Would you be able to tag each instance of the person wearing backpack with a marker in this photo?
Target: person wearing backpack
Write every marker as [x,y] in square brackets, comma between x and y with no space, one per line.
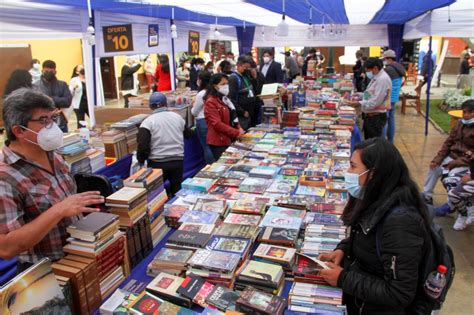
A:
[380,266]
[242,92]
[397,74]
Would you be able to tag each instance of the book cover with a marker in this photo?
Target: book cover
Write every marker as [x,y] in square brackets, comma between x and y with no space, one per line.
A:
[222,298]
[262,271]
[39,282]
[196,216]
[193,239]
[197,227]
[249,206]
[165,284]
[126,195]
[246,219]
[210,205]
[279,235]
[237,230]
[229,244]
[275,253]
[258,301]
[214,260]
[145,304]
[281,221]
[93,223]
[203,293]
[191,286]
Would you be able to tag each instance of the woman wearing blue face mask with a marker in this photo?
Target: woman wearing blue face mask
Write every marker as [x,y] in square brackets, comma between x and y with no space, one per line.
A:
[381,191]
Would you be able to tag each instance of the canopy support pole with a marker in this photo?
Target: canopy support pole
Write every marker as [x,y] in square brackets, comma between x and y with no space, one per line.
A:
[173,61]
[428,85]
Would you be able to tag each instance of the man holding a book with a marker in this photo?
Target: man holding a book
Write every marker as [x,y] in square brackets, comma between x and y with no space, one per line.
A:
[38,197]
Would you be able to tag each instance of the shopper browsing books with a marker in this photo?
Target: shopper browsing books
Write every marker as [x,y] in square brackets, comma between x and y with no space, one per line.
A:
[161,142]
[382,192]
[242,92]
[221,117]
[38,199]
[198,112]
[376,100]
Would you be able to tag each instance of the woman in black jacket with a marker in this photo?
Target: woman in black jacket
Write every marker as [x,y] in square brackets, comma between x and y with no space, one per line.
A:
[381,190]
[130,85]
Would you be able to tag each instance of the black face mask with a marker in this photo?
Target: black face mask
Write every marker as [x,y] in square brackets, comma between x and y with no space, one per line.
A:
[49,76]
[82,72]
[247,72]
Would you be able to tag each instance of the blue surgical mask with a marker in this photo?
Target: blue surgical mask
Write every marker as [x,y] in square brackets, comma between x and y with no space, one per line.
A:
[467,121]
[370,75]
[352,184]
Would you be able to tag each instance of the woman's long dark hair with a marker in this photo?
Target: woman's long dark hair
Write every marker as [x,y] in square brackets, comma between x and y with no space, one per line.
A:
[204,78]
[165,63]
[215,79]
[74,74]
[389,183]
[18,79]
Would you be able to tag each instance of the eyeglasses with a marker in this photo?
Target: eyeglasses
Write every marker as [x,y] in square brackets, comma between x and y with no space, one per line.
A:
[48,121]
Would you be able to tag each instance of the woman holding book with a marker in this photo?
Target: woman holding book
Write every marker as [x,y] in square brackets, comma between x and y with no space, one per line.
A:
[221,117]
[380,268]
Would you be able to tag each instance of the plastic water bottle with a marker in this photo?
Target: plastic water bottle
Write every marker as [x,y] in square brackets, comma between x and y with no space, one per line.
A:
[84,133]
[436,281]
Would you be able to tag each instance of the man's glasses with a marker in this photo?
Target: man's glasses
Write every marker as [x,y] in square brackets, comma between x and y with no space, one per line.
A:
[48,121]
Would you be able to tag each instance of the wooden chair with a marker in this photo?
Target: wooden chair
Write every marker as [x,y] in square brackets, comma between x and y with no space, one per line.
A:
[407,101]
[411,74]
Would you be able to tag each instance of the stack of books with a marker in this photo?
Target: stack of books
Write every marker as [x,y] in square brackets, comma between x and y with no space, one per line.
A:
[322,234]
[152,181]
[284,256]
[74,152]
[187,240]
[165,286]
[199,184]
[96,159]
[115,143]
[216,267]
[97,236]
[315,299]
[129,128]
[268,277]
[129,203]
[290,119]
[169,260]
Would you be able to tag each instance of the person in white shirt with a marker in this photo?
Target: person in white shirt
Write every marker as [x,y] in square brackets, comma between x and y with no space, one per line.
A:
[198,113]
[77,86]
[376,101]
[161,142]
[35,71]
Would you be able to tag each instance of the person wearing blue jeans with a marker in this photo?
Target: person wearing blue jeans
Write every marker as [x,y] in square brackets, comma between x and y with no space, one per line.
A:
[396,72]
[198,113]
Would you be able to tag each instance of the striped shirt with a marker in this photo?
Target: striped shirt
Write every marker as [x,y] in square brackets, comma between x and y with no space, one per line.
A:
[26,191]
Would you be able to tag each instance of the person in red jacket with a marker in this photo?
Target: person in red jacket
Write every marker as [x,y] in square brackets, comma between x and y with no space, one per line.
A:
[162,74]
[221,117]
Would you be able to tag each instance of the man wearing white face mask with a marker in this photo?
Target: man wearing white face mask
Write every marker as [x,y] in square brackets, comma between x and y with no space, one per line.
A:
[38,199]
[376,100]
[271,69]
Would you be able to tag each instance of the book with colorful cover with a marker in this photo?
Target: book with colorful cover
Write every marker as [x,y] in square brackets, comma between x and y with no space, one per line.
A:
[236,218]
[203,293]
[214,260]
[222,298]
[310,191]
[145,304]
[253,301]
[273,235]
[195,216]
[196,183]
[190,286]
[283,211]
[197,227]
[237,230]
[275,253]
[261,273]
[211,205]
[248,206]
[229,244]
[229,182]
[282,186]
[165,286]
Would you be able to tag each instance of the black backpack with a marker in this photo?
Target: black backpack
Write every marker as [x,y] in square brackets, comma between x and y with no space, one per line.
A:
[439,253]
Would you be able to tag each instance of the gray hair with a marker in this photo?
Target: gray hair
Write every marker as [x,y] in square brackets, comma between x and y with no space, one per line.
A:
[18,108]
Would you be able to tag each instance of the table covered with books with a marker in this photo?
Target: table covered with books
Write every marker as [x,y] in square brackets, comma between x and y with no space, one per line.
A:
[242,235]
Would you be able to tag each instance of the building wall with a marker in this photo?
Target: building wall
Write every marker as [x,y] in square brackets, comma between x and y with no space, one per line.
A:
[67,53]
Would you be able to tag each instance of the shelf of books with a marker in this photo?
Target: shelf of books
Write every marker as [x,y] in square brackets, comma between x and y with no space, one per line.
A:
[241,237]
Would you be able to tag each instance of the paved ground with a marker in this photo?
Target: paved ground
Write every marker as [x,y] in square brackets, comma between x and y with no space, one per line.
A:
[418,151]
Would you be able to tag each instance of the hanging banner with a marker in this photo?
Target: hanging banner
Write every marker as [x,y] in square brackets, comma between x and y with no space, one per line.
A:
[153,35]
[193,43]
[118,38]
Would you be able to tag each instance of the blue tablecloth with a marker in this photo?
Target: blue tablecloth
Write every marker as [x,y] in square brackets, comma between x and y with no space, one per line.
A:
[193,162]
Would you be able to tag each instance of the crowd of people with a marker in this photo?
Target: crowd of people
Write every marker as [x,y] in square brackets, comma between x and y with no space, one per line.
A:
[39,198]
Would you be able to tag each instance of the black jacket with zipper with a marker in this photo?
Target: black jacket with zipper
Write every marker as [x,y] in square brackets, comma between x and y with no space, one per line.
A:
[389,284]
